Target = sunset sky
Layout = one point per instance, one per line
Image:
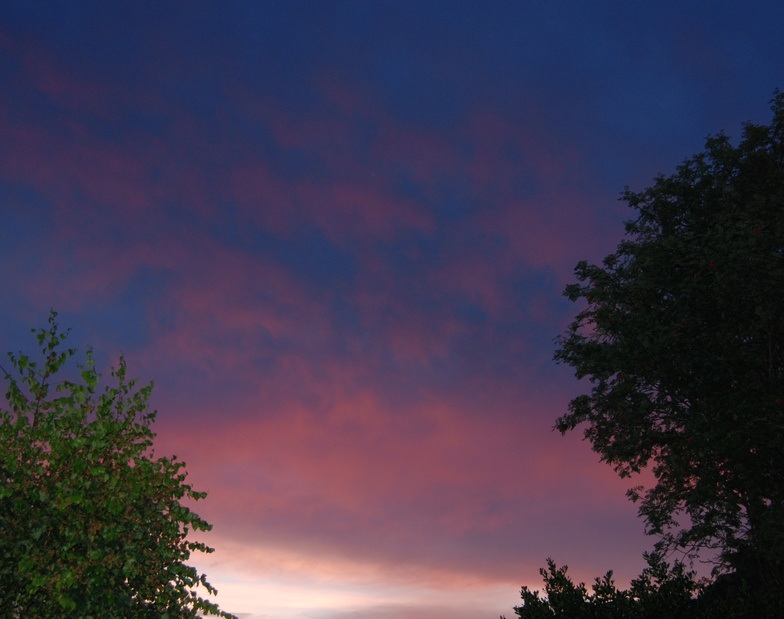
(335, 235)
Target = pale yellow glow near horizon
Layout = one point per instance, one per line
(256, 583)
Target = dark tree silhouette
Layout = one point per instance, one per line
(682, 340)
(681, 337)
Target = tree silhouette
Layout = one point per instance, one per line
(681, 338)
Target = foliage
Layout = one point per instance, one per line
(660, 591)
(91, 523)
(682, 340)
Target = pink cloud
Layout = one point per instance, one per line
(357, 477)
(353, 201)
(220, 299)
(306, 451)
(53, 79)
(357, 209)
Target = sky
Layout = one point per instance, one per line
(336, 235)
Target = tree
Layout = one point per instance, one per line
(92, 524)
(660, 591)
(682, 339)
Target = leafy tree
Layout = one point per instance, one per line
(91, 523)
(660, 591)
(682, 339)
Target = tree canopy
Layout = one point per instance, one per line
(660, 591)
(92, 524)
(681, 337)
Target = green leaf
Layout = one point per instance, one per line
(90, 520)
